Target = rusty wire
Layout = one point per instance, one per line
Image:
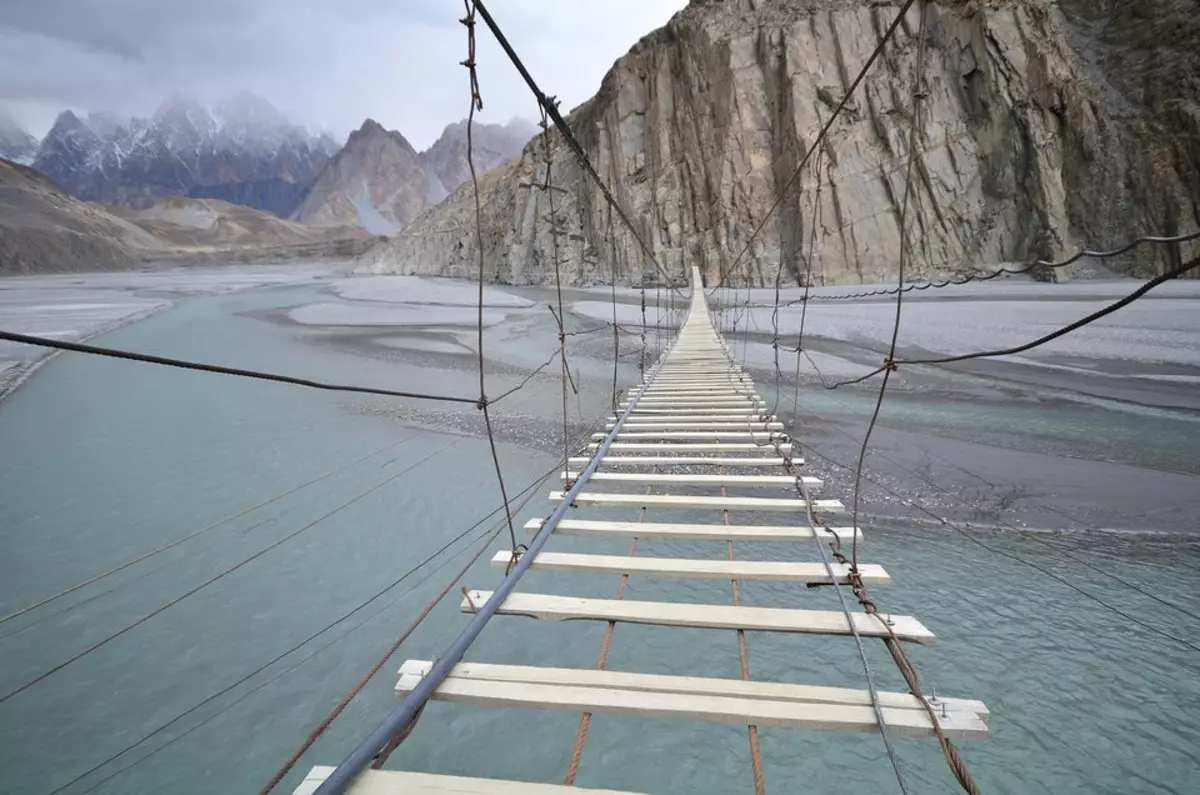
(468, 21)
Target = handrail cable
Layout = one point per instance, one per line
(891, 364)
(78, 347)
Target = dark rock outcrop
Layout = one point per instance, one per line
(1046, 126)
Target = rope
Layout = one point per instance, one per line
(585, 719)
(468, 22)
(196, 589)
(914, 132)
(1034, 265)
(77, 347)
(1012, 556)
(558, 316)
(880, 722)
(550, 106)
(756, 769)
(892, 364)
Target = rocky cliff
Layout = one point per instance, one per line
(375, 181)
(491, 145)
(1044, 126)
(242, 150)
(379, 182)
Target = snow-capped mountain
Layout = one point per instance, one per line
(243, 150)
(15, 143)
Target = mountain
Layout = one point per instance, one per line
(15, 143)
(243, 150)
(375, 181)
(491, 145)
(1046, 126)
(380, 182)
(44, 229)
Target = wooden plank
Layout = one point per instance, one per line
(733, 416)
(956, 725)
(674, 614)
(696, 685)
(696, 502)
(733, 411)
(402, 782)
(722, 709)
(699, 402)
(690, 425)
(701, 532)
(697, 569)
(714, 447)
(692, 479)
(763, 437)
(686, 460)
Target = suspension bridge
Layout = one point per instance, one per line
(696, 421)
(693, 453)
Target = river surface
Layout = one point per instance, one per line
(102, 461)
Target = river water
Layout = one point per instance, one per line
(101, 461)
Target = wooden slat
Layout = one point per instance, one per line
(691, 425)
(695, 569)
(691, 479)
(674, 419)
(686, 460)
(698, 501)
(714, 447)
(402, 782)
(666, 411)
(713, 532)
(673, 614)
(722, 709)
(696, 685)
(764, 437)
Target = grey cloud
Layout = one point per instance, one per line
(327, 63)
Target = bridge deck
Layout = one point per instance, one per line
(695, 409)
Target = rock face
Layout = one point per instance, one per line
(491, 145)
(381, 183)
(243, 150)
(375, 181)
(1043, 128)
(16, 144)
(43, 229)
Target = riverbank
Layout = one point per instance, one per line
(77, 307)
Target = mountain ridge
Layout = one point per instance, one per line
(242, 148)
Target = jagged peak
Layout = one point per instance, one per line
(67, 120)
(372, 129)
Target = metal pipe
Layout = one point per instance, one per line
(366, 750)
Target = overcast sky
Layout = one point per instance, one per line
(326, 63)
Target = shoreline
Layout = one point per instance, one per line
(20, 373)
